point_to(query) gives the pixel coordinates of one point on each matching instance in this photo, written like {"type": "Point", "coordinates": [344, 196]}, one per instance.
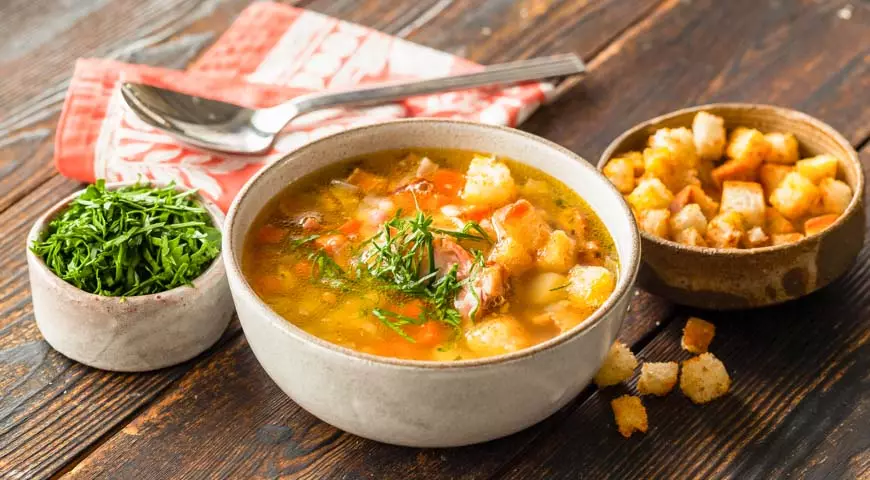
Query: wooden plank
{"type": "Point", "coordinates": [237, 423]}
{"type": "Point", "coordinates": [798, 53]}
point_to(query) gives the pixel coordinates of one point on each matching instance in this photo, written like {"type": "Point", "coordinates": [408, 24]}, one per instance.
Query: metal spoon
{"type": "Point", "coordinates": [225, 127]}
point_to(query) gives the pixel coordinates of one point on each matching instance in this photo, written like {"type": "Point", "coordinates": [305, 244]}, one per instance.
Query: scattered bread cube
{"type": "Point", "coordinates": [836, 195]}
{"type": "Point", "coordinates": [725, 230]}
{"type": "Point", "coordinates": [783, 148]}
{"type": "Point", "coordinates": [775, 223]}
{"type": "Point", "coordinates": [771, 175]}
{"type": "Point", "coordinates": [619, 365]}
{"type": "Point", "coordinates": [690, 236]}
{"type": "Point", "coordinates": [694, 194]}
{"type": "Point", "coordinates": [697, 335]}
{"type": "Point", "coordinates": [655, 222]}
{"type": "Point", "coordinates": [704, 378]}
{"type": "Point", "coordinates": [747, 145]}
{"type": "Point", "coordinates": [636, 159]}
{"type": "Point", "coordinates": [589, 286]}
{"type": "Point", "coordinates": [755, 237]}
{"type": "Point", "coordinates": [680, 142]}
{"type": "Point", "coordinates": [816, 224]}
{"type": "Point", "coordinates": [795, 196]}
{"type": "Point", "coordinates": [657, 378]}
{"type": "Point", "coordinates": [708, 131]}
{"type": "Point", "coordinates": [690, 216]}
{"type": "Point", "coordinates": [745, 198]}
{"type": "Point", "coordinates": [818, 167]}
{"type": "Point", "coordinates": [650, 194]}
{"type": "Point", "coordinates": [630, 415]}
{"type": "Point", "coordinates": [735, 170]}
{"type": "Point", "coordinates": [558, 254]}
{"type": "Point", "coordinates": [620, 172]}
{"type": "Point", "coordinates": [785, 238]}
{"type": "Point", "coordinates": [488, 182]}
{"type": "Point", "coordinates": [660, 163]}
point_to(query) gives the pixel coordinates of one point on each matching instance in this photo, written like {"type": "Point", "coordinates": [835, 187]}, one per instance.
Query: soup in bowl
{"type": "Point", "coordinates": [431, 282]}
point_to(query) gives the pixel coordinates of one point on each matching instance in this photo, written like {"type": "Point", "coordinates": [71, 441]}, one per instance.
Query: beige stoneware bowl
{"type": "Point", "coordinates": [747, 278]}
{"type": "Point", "coordinates": [135, 334]}
{"type": "Point", "coordinates": [425, 403]}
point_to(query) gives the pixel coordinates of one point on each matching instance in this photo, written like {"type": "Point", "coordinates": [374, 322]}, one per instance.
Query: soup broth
{"type": "Point", "coordinates": [430, 254]}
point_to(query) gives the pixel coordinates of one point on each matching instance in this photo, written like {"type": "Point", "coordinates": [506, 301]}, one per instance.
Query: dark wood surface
{"type": "Point", "coordinates": [800, 406]}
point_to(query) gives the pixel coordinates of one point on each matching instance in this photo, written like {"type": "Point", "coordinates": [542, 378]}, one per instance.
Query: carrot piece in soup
{"type": "Point", "coordinates": [430, 333]}
{"type": "Point", "coordinates": [269, 284]}
{"type": "Point", "coordinates": [476, 213]}
{"type": "Point", "coordinates": [270, 234]}
{"type": "Point", "coordinates": [331, 244]}
{"type": "Point", "coordinates": [303, 268]}
{"type": "Point", "coordinates": [350, 227]}
{"type": "Point", "coordinates": [411, 309]}
{"type": "Point", "coordinates": [448, 182]}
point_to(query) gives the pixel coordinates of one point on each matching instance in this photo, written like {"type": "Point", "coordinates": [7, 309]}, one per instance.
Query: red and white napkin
{"type": "Point", "coordinates": [271, 53]}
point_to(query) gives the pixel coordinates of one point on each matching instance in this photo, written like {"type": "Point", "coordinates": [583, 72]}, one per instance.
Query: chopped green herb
{"type": "Point", "coordinates": [559, 287]}
{"type": "Point", "coordinates": [136, 240]}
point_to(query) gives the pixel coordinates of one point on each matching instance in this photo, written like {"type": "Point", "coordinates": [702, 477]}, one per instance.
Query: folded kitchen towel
{"type": "Point", "coordinates": [270, 54]}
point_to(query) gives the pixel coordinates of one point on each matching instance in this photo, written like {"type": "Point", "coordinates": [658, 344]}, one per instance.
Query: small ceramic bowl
{"type": "Point", "coordinates": [426, 403]}
{"type": "Point", "coordinates": [747, 278]}
{"type": "Point", "coordinates": [134, 334]}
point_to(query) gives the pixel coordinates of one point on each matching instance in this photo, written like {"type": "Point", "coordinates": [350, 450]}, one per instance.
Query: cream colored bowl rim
{"type": "Point", "coordinates": [828, 130]}
{"type": "Point", "coordinates": [213, 273]}
{"type": "Point", "coordinates": [625, 283]}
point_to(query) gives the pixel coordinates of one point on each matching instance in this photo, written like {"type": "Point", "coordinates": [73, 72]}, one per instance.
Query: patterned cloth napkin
{"type": "Point", "coordinates": [271, 53]}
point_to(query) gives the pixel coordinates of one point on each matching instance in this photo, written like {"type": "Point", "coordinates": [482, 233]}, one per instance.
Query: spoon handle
{"type": "Point", "coordinates": [505, 73]}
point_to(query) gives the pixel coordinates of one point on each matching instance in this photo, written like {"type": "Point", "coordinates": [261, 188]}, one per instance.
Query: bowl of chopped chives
{"type": "Point", "coordinates": [128, 276]}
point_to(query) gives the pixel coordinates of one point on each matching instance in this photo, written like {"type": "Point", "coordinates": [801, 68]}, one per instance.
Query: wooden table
{"type": "Point", "coordinates": [800, 403]}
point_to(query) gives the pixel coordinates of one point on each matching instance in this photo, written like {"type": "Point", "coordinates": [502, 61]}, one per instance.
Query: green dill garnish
{"type": "Point", "coordinates": [136, 240]}
{"type": "Point", "coordinates": [559, 287]}
{"type": "Point", "coordinates": [465, 233]}
{"type": "Point", "coordinates": [395, 321]}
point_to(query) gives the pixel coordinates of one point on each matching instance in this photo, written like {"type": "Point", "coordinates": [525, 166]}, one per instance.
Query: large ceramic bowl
{"type": "Point", "coordinates": [747, 278]}
{"type": "Point", "coordinates": [133, 334]}
{"type": "Point", "coordinates": [424, 403]}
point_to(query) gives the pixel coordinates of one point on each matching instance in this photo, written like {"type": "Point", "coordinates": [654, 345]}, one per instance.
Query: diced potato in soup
{"type": "Point", "coordinates": [432, 254]}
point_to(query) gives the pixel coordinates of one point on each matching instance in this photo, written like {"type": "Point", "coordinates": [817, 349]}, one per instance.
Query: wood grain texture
{"type": "Point", "coordinates": [797, 53]}
{"type": "Point", "coordinates": [269, 436]}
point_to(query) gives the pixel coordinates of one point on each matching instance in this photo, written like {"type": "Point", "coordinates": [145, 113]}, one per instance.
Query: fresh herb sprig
{"type": "Point", "coordinates": [136, 240]}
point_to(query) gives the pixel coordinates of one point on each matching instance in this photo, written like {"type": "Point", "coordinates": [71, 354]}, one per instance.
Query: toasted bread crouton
{"type": "Point", "coordinates": [558, 254]}
{"type": "Point", "coordinates": [661, 163]}
{"type": "Point", "coordinates": [690, 216]}
{"type": "Point", "coordinates": [771, 175]}
{"type": "Point", "coordinates": [704, 378]}
{"type": "Point", "coordinates": [836, 195]}
{"type": "Point", "coordinates": [630, 415]}
{"type": "Point", "coordinates": [488, 182]}
{"type": "Point", "coordinates": [636, 159]}
{"type": "Point", "coordinates": [795, 196]}
{"type": "Point", "coordinates": [619, 365]}
{"type": "Point", "coordinates": [708, 132]}
{"type": "Point", "coordinates": [655, 222]}
{"type": "Point", "coordinates": [620, 172]}
{"type": "Point", "coordinates": [496, 335]}
{"type": "Point", "coordinates": [755, 237]}
{"type": "Point", "coordinates": [818, 167]}
{"type": "Point", "coordinates": [785, 238]}
{"type": "Point", "coordinates": [690, 236]}
{"type": "Point", "coordinates": [512, 255]}
{"type": "Point", "coordinates": [725, 230]}
{"type": "Point", "coordinates": [680, 142]}
{"type": "Point", "coordinates": [775, 223]}
{"type": "Point", "coordinates": [735, 170]}
{"type": "Point", "coordinates": [523, 222]}
{"type": "Point", "coordinates": [697, 335]}
{"type": "Point", "coordinates": [694, 194]}
{"type": "Point", "coordinates": [650, 194]}
{"type": "Point", "coordinates": [589, 286]}
{"type": "Point", "coordinates": [657, 378]}
{"type": "Point", "coordinates": [783, 148]}
{"type": "Point", "coordinates": [745, 198]}
{"type": "Point", "coordinates": [817, 224]}
{"type": "Point", "coordinates": [748, 146]}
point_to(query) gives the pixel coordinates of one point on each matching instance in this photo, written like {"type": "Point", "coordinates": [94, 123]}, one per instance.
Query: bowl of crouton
{"type": "Point", "coordinates": [739, 205]}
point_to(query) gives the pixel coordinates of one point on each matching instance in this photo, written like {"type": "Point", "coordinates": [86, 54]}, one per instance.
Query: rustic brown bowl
{"type": "Point", "coordinates": [726, 279]}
